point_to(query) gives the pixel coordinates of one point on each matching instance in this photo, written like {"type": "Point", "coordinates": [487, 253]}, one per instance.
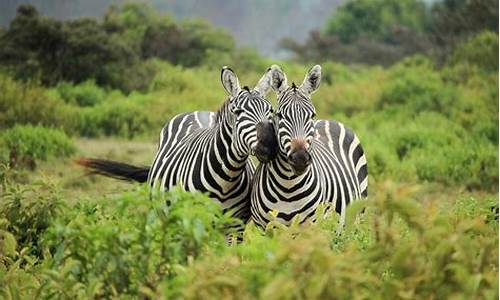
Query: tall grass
{"type": "Point", "coordinates": [174, 246]}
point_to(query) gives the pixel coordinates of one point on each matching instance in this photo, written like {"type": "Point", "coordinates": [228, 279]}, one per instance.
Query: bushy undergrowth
{"type": "Point", "coordinates": [28, 103]}
{"type": "Point", "coordinates": [431, 126]}
{"type": "Point", "coordinates": [173, 246]}
{"type": "Point", "coordinates": [84, 94]}
{"type": "Point", "coordinates": [399, 249]}
{"type": "Point", "coordinates": [417, 121]}
{"type": "Point", "coordinates": [28, 144]}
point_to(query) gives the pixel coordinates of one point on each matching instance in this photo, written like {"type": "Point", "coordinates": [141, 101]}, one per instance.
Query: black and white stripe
{"type": "Point", "coordinates": [319, 162]}
{"type": "Point", "coordinates": [208, 152]}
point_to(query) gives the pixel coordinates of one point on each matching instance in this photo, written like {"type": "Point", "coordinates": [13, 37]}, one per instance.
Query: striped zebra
{"type": "Point", "coordinates": [318, 162]}
{"type": "Point", "coordinates": [209, 152]}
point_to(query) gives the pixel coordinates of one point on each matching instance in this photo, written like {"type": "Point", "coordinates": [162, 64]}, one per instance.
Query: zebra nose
{"type": "Point", "coordinates": [300, 159]}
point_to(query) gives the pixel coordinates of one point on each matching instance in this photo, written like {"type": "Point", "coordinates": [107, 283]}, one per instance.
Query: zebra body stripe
{"type": "Point", "coordinates": [332, 178]}
{"type": "Point", "coordinates": [319, 162]}
{"type": "Point", "coordinates": [189, 155]}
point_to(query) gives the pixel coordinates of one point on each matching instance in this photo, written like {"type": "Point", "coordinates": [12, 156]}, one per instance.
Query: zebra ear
{"type": "Point", "coordinates": [230, 81]}
{"type": "Point", "coordinates": [312, 80]}
{"type": "Point", "coordinates": [278, 79]}
{"type": "Point", "coordinates": [264, 84]}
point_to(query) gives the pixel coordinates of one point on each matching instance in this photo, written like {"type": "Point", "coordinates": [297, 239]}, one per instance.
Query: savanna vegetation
{"type": "Point", "coordinates": [428, 120]}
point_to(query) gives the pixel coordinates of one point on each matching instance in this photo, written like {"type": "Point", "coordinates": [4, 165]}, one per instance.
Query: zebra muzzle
{"type": "Point", "coordinates": [299, 161]}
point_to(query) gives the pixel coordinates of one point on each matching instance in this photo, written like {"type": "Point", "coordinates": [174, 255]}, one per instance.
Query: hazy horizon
{"type": "Point", "coordinates": [253, 23]}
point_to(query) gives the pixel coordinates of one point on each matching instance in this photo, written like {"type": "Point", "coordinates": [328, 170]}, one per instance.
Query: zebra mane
{"type": "Point", "coordinates": [219, 115]}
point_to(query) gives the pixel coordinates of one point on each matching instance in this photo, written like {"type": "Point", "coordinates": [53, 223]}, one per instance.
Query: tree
{"type": "Point", "coordinates": [384, 31]}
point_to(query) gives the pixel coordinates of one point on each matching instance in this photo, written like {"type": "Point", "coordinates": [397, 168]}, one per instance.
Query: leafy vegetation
{"type": "Point", "coordinates": [174, 246]}
{"type": "Point", "coordinates": [429, 129]}
{"type": "Point", "coordinates": [382, 32]}
{"type": "Point", "coordinates": [27, 144]}
{"type": "Point", "coordinates": [113, 52]}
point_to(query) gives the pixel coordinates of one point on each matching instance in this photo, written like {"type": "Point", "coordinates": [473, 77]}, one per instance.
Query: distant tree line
{"type": "Point", "coordinates": [113, 51]}
{"type": "Point", "coordinates": [384, 31]}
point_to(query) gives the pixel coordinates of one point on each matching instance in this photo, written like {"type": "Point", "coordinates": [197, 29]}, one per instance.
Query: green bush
{"type": "Point", "coordinates": [83, 94]}
{"type": "Point", "coordinates": [120, 118]}
{"type": "Point", "coordinates": [28, 144]}
{"type": "Point", "coordinates": [173, 245]}
{"type": "Point", "coordinates": [399, 249]}
{"type": "Point", "coordinates": [113, 51]}
{"type": "Point", "coordinates": [22, 103]}
{"type": "Point", "coordinates": [480, 50]}
{"type": "Point", "coordinates": [472, 165]}
{"type": "Point", "coordinates": [126, 246]}
{"type": "Point", "coordinates": [414, 82]}
{"type": "Point", "coordinates": [427, 147]}
{"type": "Point", "coordinates": [27, 212]}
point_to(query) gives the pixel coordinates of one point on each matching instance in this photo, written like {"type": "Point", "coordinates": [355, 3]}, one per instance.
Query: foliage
{"type": "Point", "coordinates": [121, 118]}
{"type": "Point", "coordinates": [375, 19]}
{"type": "Point", "coordinates": [174, 246]}
{"type": "Point", "coordinates": [406, 86]}
{"type": "Point", "coordinates": [399, 249]}
{"type": "Point", "coordinates": [481, 50]}
{"type": "Point", "coordinates": [27, 144]}
{"type": "Point", "coordinates": [456, 20]}
{"type": "Point", "coordinates": [110, 247]}
{"type": "Point", "coordinates": [28, 103]}
{"type": "Point", "coordinates": [431, 129]}
{"type": "Point", "coordinates": [383, 32]}
{"type": "Point", "coordinates": [28, 211]}
{"type": "Point", "coordinates": [51, 50]}
{"type": "Point", "coordinates": [84, 94]}
{"type": "Point", "coordinates": [112, 52]}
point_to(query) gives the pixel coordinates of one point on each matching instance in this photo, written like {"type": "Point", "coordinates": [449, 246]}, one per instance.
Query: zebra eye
{"type": "Point", "coordinates": [279, 115]}
{"type": "Point", "coordinates": [237, 111]}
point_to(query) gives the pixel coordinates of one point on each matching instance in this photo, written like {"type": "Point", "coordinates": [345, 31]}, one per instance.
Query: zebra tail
{"type": "Point", "coordinates": [114, 169]}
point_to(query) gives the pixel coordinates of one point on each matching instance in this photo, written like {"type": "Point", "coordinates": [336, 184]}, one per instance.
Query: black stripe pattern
{"type": "Point", "coordinates": [319, 162]}
{"type": "Point", "coordinates": [208, 152]}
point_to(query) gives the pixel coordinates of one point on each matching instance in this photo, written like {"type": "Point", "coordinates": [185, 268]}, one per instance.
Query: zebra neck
{"type": "Point", "coordinates": [282, 168]}
{"type": "Point", "coordinates": [231, 162]}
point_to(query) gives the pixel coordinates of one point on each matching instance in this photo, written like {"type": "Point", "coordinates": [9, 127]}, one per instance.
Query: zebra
{"type": "Point", "coordinates": [318, 162]}
{"type": "Point", "coordinates": [209, 151]}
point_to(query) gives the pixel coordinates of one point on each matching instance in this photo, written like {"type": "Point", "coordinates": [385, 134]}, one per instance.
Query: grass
{"type": "Point", "coordinates": [429, 231]}
{"type": "Point", "coordinates": [413, 242]}
{"type": "Point", "coordinates": [74, 181]}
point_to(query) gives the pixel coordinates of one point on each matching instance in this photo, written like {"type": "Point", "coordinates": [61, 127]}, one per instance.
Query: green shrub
{"type": "Point", "coordinates": [83, 94]}
{"type": "Point", "coordinates": [416, 84]}
{"type": "Point", "coordinates": [399, 249]}
{"type": "Point", "coordinates": [481, 51]}
{"type": "Point", "coordinates": [171, 78]}
{"type": "Point", "coordinates": [121, 118]}
{"type": "Point", "coordinates": [173, 245]}
{"type": "Point", "coordinates": [125, 246]}
{"type": "Point", "coordinates": [427, 147]}
{"type": "Point", "coordinates": [22, 103]}
{"type": "Point", "coordinates": [471, 164]}
{"type": "Point", "coordinates": [28, 144]}
{"type": "Point", "coordinates": [27, 211]}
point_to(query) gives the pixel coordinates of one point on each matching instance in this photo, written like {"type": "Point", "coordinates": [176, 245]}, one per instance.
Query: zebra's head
{"type": "Point", "coordinates": [295, 117]}
{"type": "Point", "coordinates": [253, 129]}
